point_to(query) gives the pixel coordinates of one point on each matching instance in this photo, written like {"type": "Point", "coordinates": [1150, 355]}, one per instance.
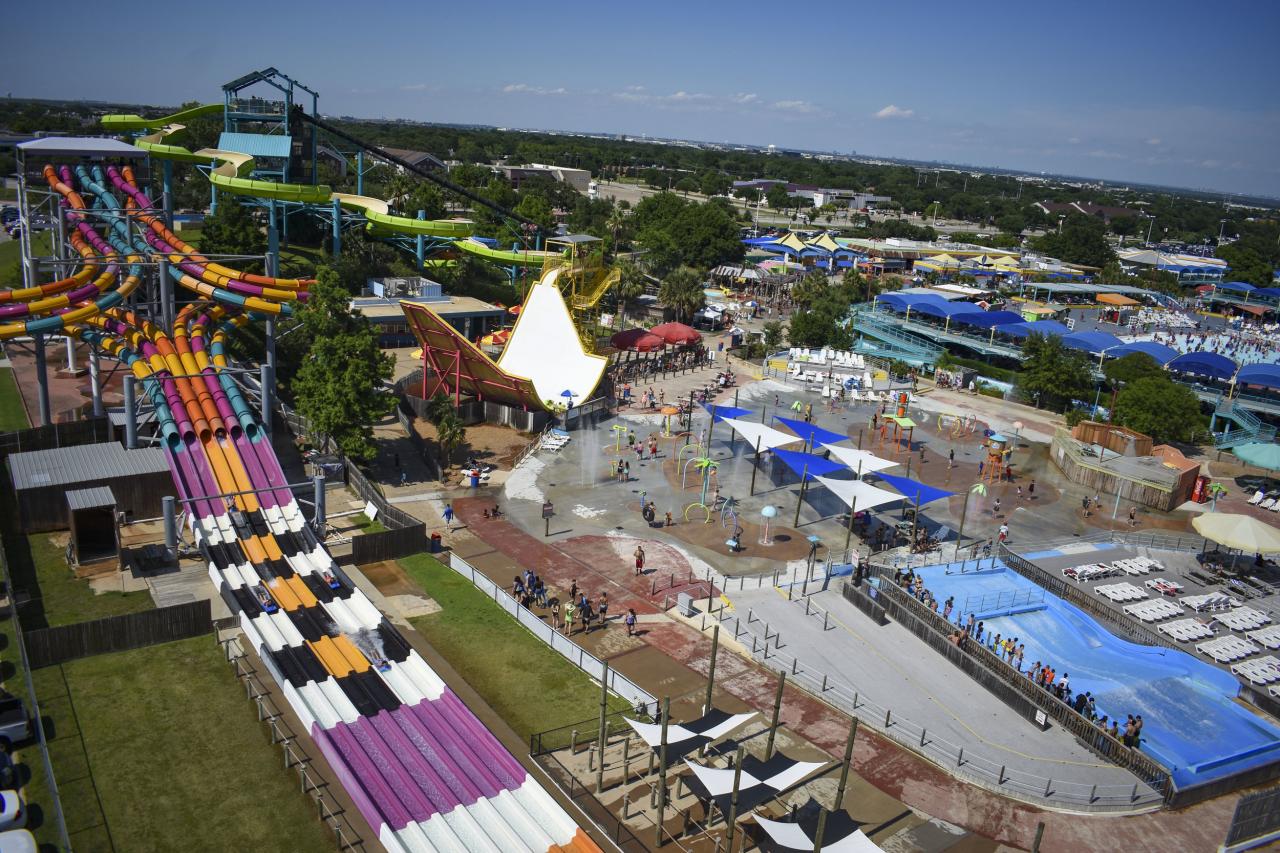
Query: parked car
{"type": "Point", "coordinates": [18, 841]}
{"type": "Point", "coordinates": [15, 725]}
{"type": "Point", "coordinates": [8, 773]}
{"type": "Point", "coordinates": [13, 812]}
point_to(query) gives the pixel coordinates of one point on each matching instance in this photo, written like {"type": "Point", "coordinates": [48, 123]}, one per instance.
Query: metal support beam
{"type": "Point", "coordinates": [337, 228]}
{"type": "Point", "coordinates": [95, 381]}
{"type": "Point", "coordinates": [604, 726]}
{"type": "Point", "coordinates": [273, 239]}
{"type": "Point", "coordinates": [421, 243]}
{"type": "Point", "coordinates": [164, 284]}
{"type": "Point", "coordinates": [130, 412]}
{"type": "Point", "coordinates": [269, 335]}
{"type": "Point", "coordinates": [662, 773]}
{"type": "Point", "coordinates": [166, 193]}
{"type": "Point", "coordinates": [777, 713]}
{"type": "Point", "coordinates": [170, 512]}
{"type": "Point", "coordinates": [42, 380]}
{"type": "Point", "coordinates": [268, 380]}
{"type": "Point", "coordinates": [317, 498]}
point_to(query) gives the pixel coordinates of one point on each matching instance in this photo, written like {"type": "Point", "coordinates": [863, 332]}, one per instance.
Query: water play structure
{"type": "Point", "coordinates": [422, 769]}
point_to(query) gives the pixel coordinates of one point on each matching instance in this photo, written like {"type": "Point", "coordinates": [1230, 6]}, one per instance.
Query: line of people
{"type": "Point", "coordinates": [576, 610]}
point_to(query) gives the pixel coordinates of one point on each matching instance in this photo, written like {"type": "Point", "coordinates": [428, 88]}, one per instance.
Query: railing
{"type": "Point", "coordinates": [1064, 444]}
{"type": "Point", "coordinates": [609, 824]}
{"type": "Point", "coordinates": [958, 759]}
{"type": "Point", "coordinates": [990, 602]}
{"type": "Point", "coordinates": [571, 651]}
{"type": "Point", "coordinates": [883, 327]}
{"type": "Point", "coordinates": [328, 811]}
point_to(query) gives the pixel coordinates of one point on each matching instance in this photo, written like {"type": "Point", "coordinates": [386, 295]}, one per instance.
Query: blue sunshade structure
{"type": "Point", "coordinates": [1161, 353]}
{"type": "Point", "coordinates": [1202, 363]}
{"type": "Point", "coordinates": [987, 319]}
{"type": "Point", "coordinates": [913, 489]}
{"type": "Point", "coordinates": [1238, 286]}
{"type": "Point", "coordinates": [912, 301]}
{"type": "Point", "coordinates": [808, 465]}
{"type": "Point", "coordinates": [1095, 342]}
{"type": "Point", "coordinates": [1037, 327]}
{"type": "Point", "coordinates": [811, 433]}
{"type": "Point", "coordinates": [1266, 375]}
{"type": "Point", "coordinates": [719, 413]}
{"type": "Point", "coordinates": [1269, 292]}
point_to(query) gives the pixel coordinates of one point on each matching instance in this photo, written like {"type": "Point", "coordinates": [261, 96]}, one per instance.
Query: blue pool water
{"type": "Point", "coordinates": [1191, 723]}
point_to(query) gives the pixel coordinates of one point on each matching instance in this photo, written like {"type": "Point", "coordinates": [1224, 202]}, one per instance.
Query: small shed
{"type": "Point", "coordinates": [139, 480]}
{"type": "Point", "coordinates": [95, 533]}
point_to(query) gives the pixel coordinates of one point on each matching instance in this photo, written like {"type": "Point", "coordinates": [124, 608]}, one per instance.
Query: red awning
{"type": "Point", "coordinates": [1256, 310]}
{"type": "Point", "coordinates": [676, 333]}
{"type": "Point", "coordinates": [637, 340]}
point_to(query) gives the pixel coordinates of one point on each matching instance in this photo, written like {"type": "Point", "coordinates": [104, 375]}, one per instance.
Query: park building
{"type": "Point", "coordinates": [579, 179]}
{"type": "Point", "coordinates": [1190, 269]}
{"type": "Point", "coordinates": [380, 303]}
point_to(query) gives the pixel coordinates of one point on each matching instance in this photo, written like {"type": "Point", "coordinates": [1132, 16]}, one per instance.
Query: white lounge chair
{"type": "Point", "coordinates": [1258, 497]}
{"type": "Point", "coordinates": [1268, 637]}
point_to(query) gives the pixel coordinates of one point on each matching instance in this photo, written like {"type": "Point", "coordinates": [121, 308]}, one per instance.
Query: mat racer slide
{"type": "Point", "coordinates": [424, 772]}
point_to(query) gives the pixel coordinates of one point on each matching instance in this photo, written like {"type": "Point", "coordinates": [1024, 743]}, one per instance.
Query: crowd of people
{"type": "Point", "coordinates": [577, 611]}
{"type": "Point", "coordinates": [1247, 345]}
{"type": "Point", "coordinates": [1011, 651]}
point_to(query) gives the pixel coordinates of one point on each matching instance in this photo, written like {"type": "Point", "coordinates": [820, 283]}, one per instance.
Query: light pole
{"type": "Point", "coordinates": [1151, 221]}
{"type": "Point", "coordinates": [936, 205]}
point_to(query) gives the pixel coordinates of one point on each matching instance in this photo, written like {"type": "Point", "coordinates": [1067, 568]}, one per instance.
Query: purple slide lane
{"type": "Point", "coordinates": [363, 779]}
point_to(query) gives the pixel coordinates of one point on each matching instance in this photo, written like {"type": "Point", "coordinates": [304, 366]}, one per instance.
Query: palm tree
{"type": "Point", "coordinates": [616, 221]}
{"type": "Point", "coordinates": [809, 288]}
{"type": "Point", "coordinates": [631, 282]}
{"type": "Point", "coordinates": [450, 433]}
{"type": "Point", "coordinates": [681, 291]}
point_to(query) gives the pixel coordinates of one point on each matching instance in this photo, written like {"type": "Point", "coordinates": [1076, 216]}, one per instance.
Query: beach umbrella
{"type": "Point", "coordinates": [1263, 455]}
{"type": "Point", "coordinates": [676, 333]}
{"type": "Point", "coordinates": [637, 340]}
{"type": "Point", "coordinates": [1242, 532]}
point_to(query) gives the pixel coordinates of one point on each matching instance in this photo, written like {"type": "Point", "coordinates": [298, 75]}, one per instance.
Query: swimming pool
{"type": "Point", "coordinates": [1192, 724]}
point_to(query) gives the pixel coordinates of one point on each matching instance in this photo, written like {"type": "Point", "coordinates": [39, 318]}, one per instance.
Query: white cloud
{"type": "Point", "coordinates": [415, 87]}
{"type": "Point", "coordinates": [895, 111]}
{"type": "Point", "coordinates": [1075, 140]}
{"type": "Point", "coordinates": [1103, 154]}
{"type": "Point", "coordinates": [526, 89]}
{"type": "Point", "coordinates": [745, 98]}
{"type": "Point", "coordinates": [1155, 140]}
{"type": "Point", "coordinates": [795, 106]}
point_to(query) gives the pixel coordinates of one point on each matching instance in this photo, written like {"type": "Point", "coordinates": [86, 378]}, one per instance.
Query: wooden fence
{"type": "Point", "coordinates": [388, 544]}
{"type": "Point", "coordinates": [50, 646]}
{"type": "Point", "coordinates": [64, 434]}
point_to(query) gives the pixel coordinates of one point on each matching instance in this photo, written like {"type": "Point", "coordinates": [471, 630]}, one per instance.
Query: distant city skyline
{"type": "Point", "coordinates": [1161, 94]}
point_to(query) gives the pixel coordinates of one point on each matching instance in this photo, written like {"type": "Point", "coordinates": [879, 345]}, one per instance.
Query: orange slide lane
{"type": "Point", "coordinates": [339, 656]}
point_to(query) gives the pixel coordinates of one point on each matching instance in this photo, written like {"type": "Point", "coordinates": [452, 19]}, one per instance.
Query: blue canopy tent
{"type": "Point", "coordinates": [1238, 286]}
{"type": "Point", "coordinates": [1161, 353]}
{"type": "Point", "coordinates": [1268, 292]}
{"type": "Point", "coordinates": [1266, 375]}
{"type": "Point", "coordinates": [901, 302]}
{"type": "Point", "coordinates": [811, 433]}
{"type": "Point", "coordinates": [1037, 327]}
{"type": "Point", "coordinates": [719, 412]}
{"type": "Point", "coordinates": [987, 319]}
{"type": "Point", "coordinates": [1091, 342]}
{"type": "Point", "coordinates": [914, 489]}
{"type": "Point", "coordinates": [808, 465]}
{"type": "Point", "coordinates": [945, 310]}
{"type": "Point", "coordinates": [1203, 363]}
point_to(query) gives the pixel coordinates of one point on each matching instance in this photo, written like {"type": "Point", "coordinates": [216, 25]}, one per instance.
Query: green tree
{"type": "Point", "coordinates": [681, 291]}
{"type": "Point", "coordinates": [231, 230]}
{"type": "Point", "coordinates": [772, 333]}
{"type": "Point", "coordinates": [777, 198]}
{"type": "Point", "coordinates": [687, 185]}
{"type": "Point", "coordinates": [1053, 373]}
{"type": "Point", "coordinates": [1160, 408]}
{"type": "Point", "coordinates": [808, 289]}
{"type": "Point", "coordinates": [451, 434]}
{"type": "Point", "coordinates": [715, 183]}
{"type": "Point", "coordinates": [1256, 254]}
{"type": "Point", "coordinates": [1130, 368]}
{"type": "Point", "coordinates": [1083, 241]}
{"type": "Point", "coordinates": [631, 284]}
{"type": "Point", "coordinates": [339, 385]}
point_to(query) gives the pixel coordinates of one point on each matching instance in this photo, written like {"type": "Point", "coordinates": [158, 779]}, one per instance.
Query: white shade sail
{"type": "Point", "coordinates": [859, 495]}
{"type": "Point", "coordinates": [768, 437]}
{"type": "Point", "coordinates": [859, 460]}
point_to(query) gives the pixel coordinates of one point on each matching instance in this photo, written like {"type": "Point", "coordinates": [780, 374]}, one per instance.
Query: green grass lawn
{"type": "Point", "coordinates": [11, 257]}
{"type": "Point", "coordinates": [158, 749]}
{"type": "Point", "coordinates": [63, 598]}
{"type": "Point", "coordinates": [530, 686]}
{"type": "Point", "coordinates": [12, 415]}
{"type": "Point", "coordinates": [365, 524]}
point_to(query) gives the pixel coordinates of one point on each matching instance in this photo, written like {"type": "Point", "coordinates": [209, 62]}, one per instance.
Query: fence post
{"type": "Point", "coordinates": [888, 712]}
{"type": "Point", "coordinates": [960, 759]}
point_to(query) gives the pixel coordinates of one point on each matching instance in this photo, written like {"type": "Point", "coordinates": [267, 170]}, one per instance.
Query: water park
{"type": "Point", "coordinates": [773, 570]}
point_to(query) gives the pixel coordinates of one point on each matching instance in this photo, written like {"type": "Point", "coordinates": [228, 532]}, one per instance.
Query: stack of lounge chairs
{"type": "Point", "coordinates": [554, 439]}
{"type": "Point", "coordinates": [1211, 602]}
{"type": "Point", "coordinates": [827, 355]}
{"type": "Point", "coordinates": [1138, 565]}
{"type": "Point", "coordinates": [1227, 649]}
{"type": "Point", "coordinates": [1153, 610]}
{"type": "Point", "coordinates": [1120, 592]}
{"type": "Point", "coordinates": [1259, 670]}
{"type": "Point", "coordinates": [1243, 619]}
{"type": "Point", "coordinates": [1087, 573]}
{"type": "Point", "coordinates": [1186, 630]}
{"type": "Point", "coordinates": [1269, 637]}
{"type": "Point", "coordinates": [1164, 586]}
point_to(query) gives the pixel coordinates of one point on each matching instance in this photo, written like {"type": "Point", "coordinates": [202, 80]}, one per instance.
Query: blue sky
{"type": "Point", "coordinates": [1169, 92]}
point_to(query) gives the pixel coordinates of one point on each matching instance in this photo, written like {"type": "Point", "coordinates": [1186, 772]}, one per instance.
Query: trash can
{"type": "Point", "coordinates": [475, 478]}
{"type": "Point", "coordinates": [435, 543]}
